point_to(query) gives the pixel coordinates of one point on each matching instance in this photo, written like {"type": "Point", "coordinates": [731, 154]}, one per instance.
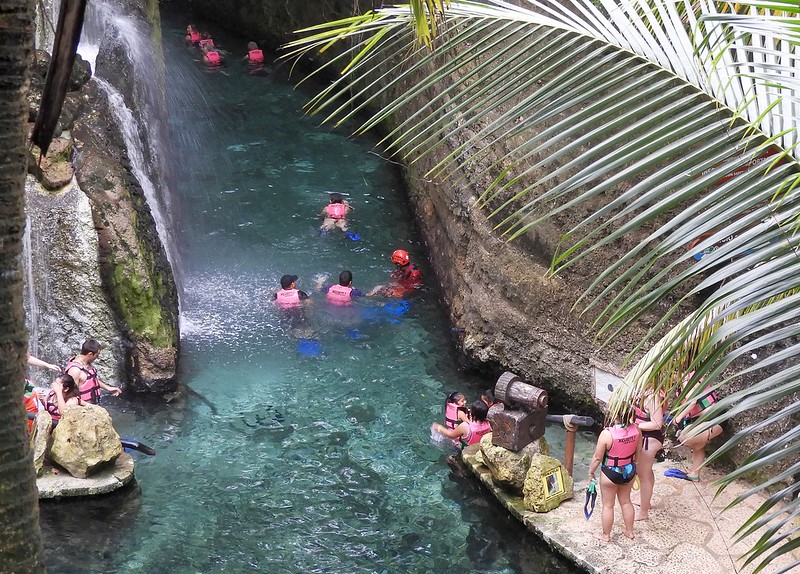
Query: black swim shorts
{"type": "Point", "coordinates": [620, 474]}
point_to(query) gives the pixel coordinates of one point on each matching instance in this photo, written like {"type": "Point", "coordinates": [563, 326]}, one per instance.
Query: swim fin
{"type": "Point", "coordinates": [677, 473]}
{"type": "Point", "coordinates": [352, 236]}
{"type": "Point", "coordinates": [591, 499]}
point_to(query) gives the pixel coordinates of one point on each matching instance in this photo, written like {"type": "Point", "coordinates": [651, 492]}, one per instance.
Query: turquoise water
{"type": "Point", "coordinates": [279, 461]}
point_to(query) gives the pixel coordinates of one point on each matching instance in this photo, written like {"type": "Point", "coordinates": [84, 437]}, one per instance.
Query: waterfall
{"type": "Point", "coordinates": [127, 63]}
{"type": "Point", "coordinates": [31, 304]}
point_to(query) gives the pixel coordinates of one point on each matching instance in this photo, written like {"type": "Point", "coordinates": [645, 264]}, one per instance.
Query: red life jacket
{"type": "Point", "coordinates": [623, 447]}
{"type": "Point", "coordinates": [339, 295]}
{"type": "Point", "coordinates": [336, 210]}
{"type": "Point", "coordinates": [213, 57]}
{"type": "Point", "coordinates": [195, 37]}
{"type": "Point", "coordinates": [90, 389]}
{"type": "Point", "coordinates": [255, 56]}
{"type": "Point", "coordinates": [206, 42]}
{"type": "Point", "coordinates": [31, 406]}
{"type": "Point", "coordinates": [286, 298]}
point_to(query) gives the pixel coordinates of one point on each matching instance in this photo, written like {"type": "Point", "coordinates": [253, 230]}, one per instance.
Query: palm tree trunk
{"type": "Point", "coordinates": [20, 537]}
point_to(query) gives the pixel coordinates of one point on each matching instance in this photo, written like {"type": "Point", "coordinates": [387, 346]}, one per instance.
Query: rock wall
{"type": "Point", "coordinates": [98, 267]}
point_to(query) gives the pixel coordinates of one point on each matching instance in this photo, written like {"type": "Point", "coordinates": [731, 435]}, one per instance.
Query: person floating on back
{"type": "Point", "coordinates": [254, 55]}
{"type": "Point", "coordinates": [343, 293]}
{"type": "Point", "coordinates": [81, 370]}
{"type": "Point", "coordinates": [334, 213]}
{"type": "Point", "coordinates": [404, 279]}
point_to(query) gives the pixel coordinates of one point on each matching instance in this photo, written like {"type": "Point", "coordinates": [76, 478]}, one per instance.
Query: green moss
{"type": "Point", "coordinates": [140, 307]}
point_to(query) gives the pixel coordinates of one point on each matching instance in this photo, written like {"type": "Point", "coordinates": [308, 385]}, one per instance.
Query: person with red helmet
{"type": "Point", "coordinates": [405, 278]}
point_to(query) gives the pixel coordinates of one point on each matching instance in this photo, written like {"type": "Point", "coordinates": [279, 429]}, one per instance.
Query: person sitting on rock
{"type": "Point", "coordinates": [63, 392]}
{"type": "Point", "coordinates": [468, 432]}
{"type": "Point", "coordinates": [81, 370]}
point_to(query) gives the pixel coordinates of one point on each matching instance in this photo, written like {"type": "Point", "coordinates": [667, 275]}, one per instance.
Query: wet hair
{"type": "Point", "coordinates": [345, 278]}
{"type": "Point", "coordinates": [488, 397]}
{"type": "Point", "coordinates": [454, 397]}
{"type": "Point", "coordinates": [68, 383]}
{"type": "Point", "coordinates": [478, 411]}
{"type": "Point", "coordinates": [252, 46]}
{"type": "Point", "coordinates": [336, 198]}
{"type": "Point", "coordinates": [90, 346]}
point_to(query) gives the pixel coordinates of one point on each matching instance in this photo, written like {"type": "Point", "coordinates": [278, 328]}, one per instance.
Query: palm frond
{"type": "Point", "coordinates": [680, 117]}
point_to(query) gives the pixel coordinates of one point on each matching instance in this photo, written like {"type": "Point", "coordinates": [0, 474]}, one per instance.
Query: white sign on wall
{"type": "Point", "coordinates": [604, 383]}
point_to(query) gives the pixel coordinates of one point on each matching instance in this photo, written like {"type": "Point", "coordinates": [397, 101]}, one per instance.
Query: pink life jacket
{"type": "Point", "coordinates": [255, 56]}
{"type": "Point", "coordinates": [336, 210]}
{"type": "Point", "coordinates": [708, 398]}
{"type": "Point", "coordinates": [213, 57]}
{"type": "Point", "coordinates": [90, 389]}
{"type": "Point", "coordinates": [451, 415]}
{"type": "Point", "coordinates": [51, 405]}
{"type": "Point", "coordinates": [206, 42]}
{"type": "Point", "coordinates": [339, 295]}
{"type": "Point", "coordinates": [477, 430]}
{"type": "Point", "coordinates": [195, 37]}
{"type": "Point", "coordinates": [623, 447]}
{"type": "Point", "coordinates": [642, 416]}
{"type": "Point", "coordinates": [286, 298]}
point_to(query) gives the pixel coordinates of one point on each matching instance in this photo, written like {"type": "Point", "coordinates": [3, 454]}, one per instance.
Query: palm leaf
{"type": "Point", "coordinates": [649, 106]}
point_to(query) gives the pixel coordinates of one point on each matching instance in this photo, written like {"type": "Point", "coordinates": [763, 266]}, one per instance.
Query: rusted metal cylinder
{"type": "Point", "coordinates": [517, 394]}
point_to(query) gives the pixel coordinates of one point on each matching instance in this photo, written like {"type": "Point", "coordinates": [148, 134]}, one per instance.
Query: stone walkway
{"type": "Point", "coordinates": [687, 531]}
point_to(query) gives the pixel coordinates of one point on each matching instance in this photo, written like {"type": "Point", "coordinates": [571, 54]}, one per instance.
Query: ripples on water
{"type": "Point", "coordinates": [279, 461]}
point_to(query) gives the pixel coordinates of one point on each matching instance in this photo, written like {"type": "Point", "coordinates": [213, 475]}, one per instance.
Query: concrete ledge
{"type": "Point", "coordinates": [61, 485]}
{"type": "Point", "coordinates": [688, 527]}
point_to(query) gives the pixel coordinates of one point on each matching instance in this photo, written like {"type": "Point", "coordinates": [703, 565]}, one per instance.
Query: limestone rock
{"type": "Point", "coordinates": [509, 468]}
{"type": "Point", "coordinates": [54, 170]}
{"type": "Point", "coordinates": [41, 438]}
{"type": "Point", "coordinates": [84, 440]}
{"type": "Point", "coordinates": [547, 484]}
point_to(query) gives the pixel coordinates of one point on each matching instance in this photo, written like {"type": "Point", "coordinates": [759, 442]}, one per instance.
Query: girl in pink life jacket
{"type": "Point", "coordinates": [469, 432]}
{"type": "Point", "coordinates": [254, 55]}
{"type": "Point", "coordinates": [696, 442]}
{"type": "Point", "coordinates": [616, 453]}
{"type": "Point", "coordinates": [648, 415]}
{"type": "Point", "coordinates": [455, 410]}
{"type": "Point", "coordinates": [334, 213]}
{"type": "Point", "coordinates": [63, 392]}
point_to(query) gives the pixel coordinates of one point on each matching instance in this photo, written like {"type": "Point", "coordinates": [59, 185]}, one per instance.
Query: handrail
{"type": "Point", "coordinates": [571, 423]}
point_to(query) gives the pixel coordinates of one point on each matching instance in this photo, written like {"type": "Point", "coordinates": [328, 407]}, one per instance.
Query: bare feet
{"type": "Point", "coordinates": [641, 516]}
{"type": "Point", "coordinates": [603, 537]}
{"type": "Point", "coordinates": [629, 534]}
